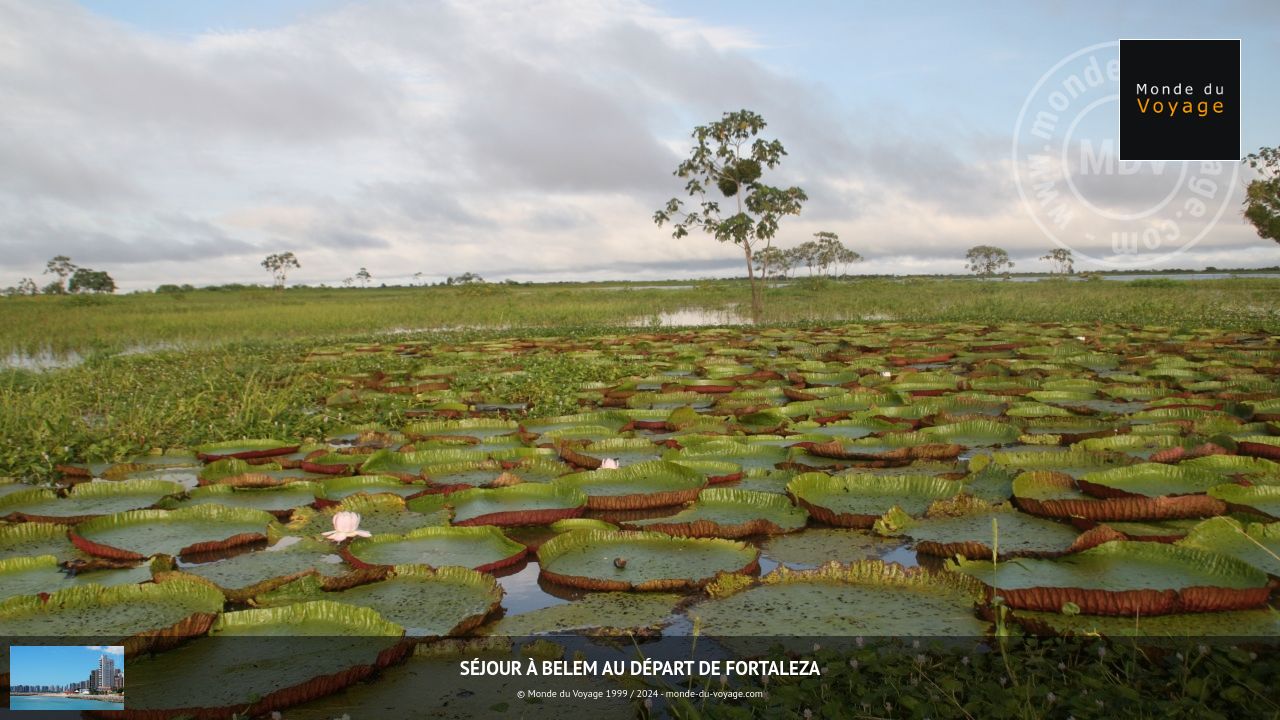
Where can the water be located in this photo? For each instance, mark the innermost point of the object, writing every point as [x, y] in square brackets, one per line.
[1163, 276]
[36, 702]
[692, 317]
[49, 360]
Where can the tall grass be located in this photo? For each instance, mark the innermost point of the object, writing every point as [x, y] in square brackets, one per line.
[79, 324]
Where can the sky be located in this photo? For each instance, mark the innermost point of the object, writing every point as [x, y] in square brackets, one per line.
[182, 142]
[58, 665]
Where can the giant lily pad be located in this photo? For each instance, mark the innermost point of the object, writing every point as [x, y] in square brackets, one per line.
[379, 514]
[1055, 494]
[340, 487]
[523, 504]
[425, 601]
[972, 529]
[605, 613]
[173, 609]
[87, 500]
[865, 598]
[636, 487]
[729, 513]
[138, 534]
[819, 546]
[1263, 499]
[279, 500]
[618, 560]
[857, 500]
[331, 646]
[482, 548]
[1255, 543]
[1252, 624]
[244, 449]
[1125, 578]
[244, 575]
[1148, 480]
[31, 538]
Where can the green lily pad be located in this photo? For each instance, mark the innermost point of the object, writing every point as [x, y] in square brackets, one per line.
[332, 645]
[974, 433]
[338, 488]
[1252, 624]
[857, 500]
[603, 560]
[973, 531]
[88, 499]
[523, 504]
[243, 449]
[482, 548]
[273, 499]
[116, 612]
[605, 613]
[868, 598]
[636, 487]
[244, 575]
[729, 513]
[1125, 578]
[819, 546]
[380, 514]
[31, 575]
[31, 538]
[425, 601]
[1255, 543]
[1149, 480]
[138, 534]
[1264, 499]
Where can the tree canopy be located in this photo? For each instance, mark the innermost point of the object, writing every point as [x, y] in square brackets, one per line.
[1262, 196]
[987, 260]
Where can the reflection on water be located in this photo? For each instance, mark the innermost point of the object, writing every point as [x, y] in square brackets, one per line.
[692, 317]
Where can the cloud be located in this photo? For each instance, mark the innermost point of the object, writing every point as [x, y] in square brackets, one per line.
[509, 139]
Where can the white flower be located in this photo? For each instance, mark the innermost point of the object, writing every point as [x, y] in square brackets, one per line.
[1081, 338]
[609, 464]
[346, 525]
[885, 373]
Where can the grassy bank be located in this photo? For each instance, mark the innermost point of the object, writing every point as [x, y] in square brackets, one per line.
[85, 324]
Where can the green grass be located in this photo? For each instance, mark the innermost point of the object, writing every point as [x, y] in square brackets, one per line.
[60, 325]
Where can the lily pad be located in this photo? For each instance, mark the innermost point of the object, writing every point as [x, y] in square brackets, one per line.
[87, 500]
[340, 487]
[1148, 480]
[1252, 624]
[244, 575]
[1125, 578]
[244, 449]
[1263, 499]
[857, 500]
[176, 608]
[379, 514]
[32, 538]
[819, 546]
[276, 500]
[331, 646]
[523, 504]
[636, 487]
[604, 614]
[425, 601]
[482, 548]
[648, 561]
[1255, 543]
[869, 598]
[729, 513]
[138, 534]
[1057, 495]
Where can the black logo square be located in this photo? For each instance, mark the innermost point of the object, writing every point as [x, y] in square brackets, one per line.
[1180, 100]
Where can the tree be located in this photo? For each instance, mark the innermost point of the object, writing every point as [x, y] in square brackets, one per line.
[94, 281]
[417, 276]
[1262, 196]
[771, 258]
[61, 266]
[1060, 260]
[364, 277]
[986, 260]
[279, 265]
[730, 157]
[347, 281]
[467, 278]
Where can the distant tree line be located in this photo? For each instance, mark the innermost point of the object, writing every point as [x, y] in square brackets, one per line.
[69, 278]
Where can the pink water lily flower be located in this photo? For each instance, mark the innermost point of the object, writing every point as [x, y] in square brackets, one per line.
[346, 525]
[609, 464]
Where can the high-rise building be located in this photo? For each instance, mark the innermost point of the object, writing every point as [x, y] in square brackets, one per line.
[93, 679]
[117, 683]
[106, 673]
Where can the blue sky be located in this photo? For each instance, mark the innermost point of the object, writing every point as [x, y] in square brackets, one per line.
[56, 665]
[183, 141]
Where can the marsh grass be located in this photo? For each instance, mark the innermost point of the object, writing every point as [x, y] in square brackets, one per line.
[32, 325]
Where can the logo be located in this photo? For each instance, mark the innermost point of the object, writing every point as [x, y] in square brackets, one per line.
[1066, 163]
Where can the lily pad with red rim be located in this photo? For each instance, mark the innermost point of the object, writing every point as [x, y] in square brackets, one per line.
[138, 534]
[244, 449]
[648, 561]
[482, 548]
[521, 504]
[857, 500]
[729, 513]
[636, 487]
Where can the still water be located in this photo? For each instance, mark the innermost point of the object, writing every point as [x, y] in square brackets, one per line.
[36, 702]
